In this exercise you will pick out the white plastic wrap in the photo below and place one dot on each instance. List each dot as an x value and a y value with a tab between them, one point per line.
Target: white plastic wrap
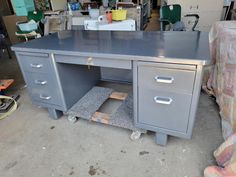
222	80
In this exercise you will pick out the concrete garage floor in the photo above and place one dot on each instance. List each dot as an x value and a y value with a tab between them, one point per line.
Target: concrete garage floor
33	145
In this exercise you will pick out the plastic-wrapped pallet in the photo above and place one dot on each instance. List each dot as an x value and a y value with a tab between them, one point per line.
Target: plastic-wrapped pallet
225	157
222	79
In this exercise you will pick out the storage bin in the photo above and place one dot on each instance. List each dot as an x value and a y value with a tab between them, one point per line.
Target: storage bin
20	3
28	26
119	15
23	11
22	7
17	3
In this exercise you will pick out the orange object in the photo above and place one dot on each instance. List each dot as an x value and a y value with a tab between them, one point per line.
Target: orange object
4	84
109	16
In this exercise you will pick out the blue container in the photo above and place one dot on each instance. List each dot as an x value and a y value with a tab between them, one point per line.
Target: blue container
75	6
22	3
23	11
22	7
28	27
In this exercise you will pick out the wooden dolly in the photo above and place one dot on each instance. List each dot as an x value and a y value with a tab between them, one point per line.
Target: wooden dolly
121	117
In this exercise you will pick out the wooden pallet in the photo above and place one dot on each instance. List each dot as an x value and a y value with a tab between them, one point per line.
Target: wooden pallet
103	117
121	117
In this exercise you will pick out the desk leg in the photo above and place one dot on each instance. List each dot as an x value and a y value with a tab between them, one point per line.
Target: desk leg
55	114
161	139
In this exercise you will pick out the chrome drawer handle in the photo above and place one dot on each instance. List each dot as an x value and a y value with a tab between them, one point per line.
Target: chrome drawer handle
40	82
162	100
36	65
45	97
166	80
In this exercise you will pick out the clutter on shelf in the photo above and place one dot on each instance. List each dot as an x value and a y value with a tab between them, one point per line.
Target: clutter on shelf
76	15
42	5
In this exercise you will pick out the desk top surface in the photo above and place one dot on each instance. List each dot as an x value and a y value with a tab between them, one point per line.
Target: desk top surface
155	46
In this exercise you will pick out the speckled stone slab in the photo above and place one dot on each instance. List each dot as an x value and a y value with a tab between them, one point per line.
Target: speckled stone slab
93	100
90	102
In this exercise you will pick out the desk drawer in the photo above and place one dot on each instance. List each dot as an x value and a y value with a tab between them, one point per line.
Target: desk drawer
166	110
43	88
34	62
94	61
166	79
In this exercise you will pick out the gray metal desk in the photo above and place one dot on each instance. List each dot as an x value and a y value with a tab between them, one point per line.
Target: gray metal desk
166	67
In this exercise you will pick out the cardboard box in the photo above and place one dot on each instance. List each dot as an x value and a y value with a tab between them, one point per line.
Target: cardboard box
10	24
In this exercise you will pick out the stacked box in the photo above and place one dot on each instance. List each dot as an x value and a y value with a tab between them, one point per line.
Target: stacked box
22	7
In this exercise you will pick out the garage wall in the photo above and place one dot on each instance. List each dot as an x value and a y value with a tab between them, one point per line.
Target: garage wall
4	8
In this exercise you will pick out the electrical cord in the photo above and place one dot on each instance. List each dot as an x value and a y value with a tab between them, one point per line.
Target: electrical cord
13	108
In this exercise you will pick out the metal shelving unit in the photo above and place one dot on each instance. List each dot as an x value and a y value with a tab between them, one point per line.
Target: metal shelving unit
144	15
150	6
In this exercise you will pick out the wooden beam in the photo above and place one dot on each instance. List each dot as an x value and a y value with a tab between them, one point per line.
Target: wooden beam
101	117
118	95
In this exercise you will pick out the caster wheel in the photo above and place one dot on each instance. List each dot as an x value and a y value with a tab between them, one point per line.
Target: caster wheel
72	119
135	135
